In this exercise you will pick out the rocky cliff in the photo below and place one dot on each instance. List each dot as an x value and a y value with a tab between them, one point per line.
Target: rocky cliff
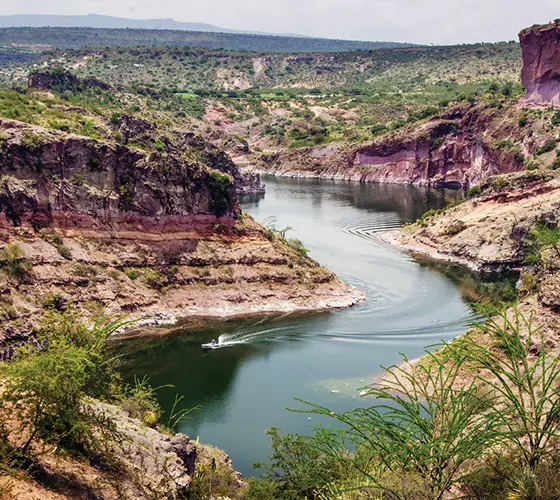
159	236
459	148
541	63
51	178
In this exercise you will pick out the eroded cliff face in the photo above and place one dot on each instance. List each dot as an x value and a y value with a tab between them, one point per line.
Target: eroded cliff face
541	63
159	236
460	148
64	180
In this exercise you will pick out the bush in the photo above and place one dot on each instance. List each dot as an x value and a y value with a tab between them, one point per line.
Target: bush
507	89
548	146
46	388
395	440
378	128
298	246
54	301
14	263
474	191
220	186
517	368
439	425
139	401
160	278
456	227
65	252
531	165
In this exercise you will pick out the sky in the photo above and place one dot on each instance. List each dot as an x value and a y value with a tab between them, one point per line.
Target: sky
415	21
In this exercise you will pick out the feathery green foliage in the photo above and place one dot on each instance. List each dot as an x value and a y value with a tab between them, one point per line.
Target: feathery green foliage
47	386
464	417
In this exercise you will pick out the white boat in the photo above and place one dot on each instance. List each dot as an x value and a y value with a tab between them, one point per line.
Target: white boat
211	345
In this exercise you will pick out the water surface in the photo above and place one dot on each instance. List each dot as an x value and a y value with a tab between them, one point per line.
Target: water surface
243	390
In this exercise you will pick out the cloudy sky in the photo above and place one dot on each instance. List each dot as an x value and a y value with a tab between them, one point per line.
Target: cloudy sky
419	21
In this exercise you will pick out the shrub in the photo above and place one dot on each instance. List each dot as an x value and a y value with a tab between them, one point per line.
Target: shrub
531	165
522	121
159	145
31	140
298	246
378	128
160	278
507	89
541	238
139	401
474	191
65	252
220	187
54	301
456	227
517	368
14	263
548	146
46	389
423	426
155	279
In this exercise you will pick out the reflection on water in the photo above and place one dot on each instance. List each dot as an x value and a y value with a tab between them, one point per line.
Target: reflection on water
244	388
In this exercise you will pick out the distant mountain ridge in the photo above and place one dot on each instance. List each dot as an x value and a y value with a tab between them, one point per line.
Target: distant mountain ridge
81	37
100	21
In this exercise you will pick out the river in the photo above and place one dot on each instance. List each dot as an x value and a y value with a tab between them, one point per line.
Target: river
325	358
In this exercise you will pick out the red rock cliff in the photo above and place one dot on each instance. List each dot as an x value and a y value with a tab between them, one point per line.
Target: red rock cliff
541	63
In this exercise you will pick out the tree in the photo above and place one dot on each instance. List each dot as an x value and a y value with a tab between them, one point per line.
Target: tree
524	378
423	429
46	388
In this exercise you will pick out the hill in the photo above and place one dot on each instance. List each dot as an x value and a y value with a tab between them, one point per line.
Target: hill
99	21
74	38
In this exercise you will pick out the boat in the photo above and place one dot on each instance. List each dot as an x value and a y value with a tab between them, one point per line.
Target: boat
211	345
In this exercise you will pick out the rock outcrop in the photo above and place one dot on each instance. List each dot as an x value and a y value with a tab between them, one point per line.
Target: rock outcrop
61	79
72	181
541	63
458	149
490	232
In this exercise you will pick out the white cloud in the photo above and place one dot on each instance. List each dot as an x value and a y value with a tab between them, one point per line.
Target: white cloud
420	21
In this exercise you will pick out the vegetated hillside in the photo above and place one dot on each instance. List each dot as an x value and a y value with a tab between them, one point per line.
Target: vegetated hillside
274	100
73	38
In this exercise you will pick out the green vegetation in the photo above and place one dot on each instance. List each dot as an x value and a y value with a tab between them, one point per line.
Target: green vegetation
221	186
14	262
471	416
542	239
159	278
70	38
45	389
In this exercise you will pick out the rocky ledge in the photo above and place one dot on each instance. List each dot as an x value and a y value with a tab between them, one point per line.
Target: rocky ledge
490	232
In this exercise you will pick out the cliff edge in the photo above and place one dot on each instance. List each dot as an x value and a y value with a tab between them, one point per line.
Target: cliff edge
541	63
